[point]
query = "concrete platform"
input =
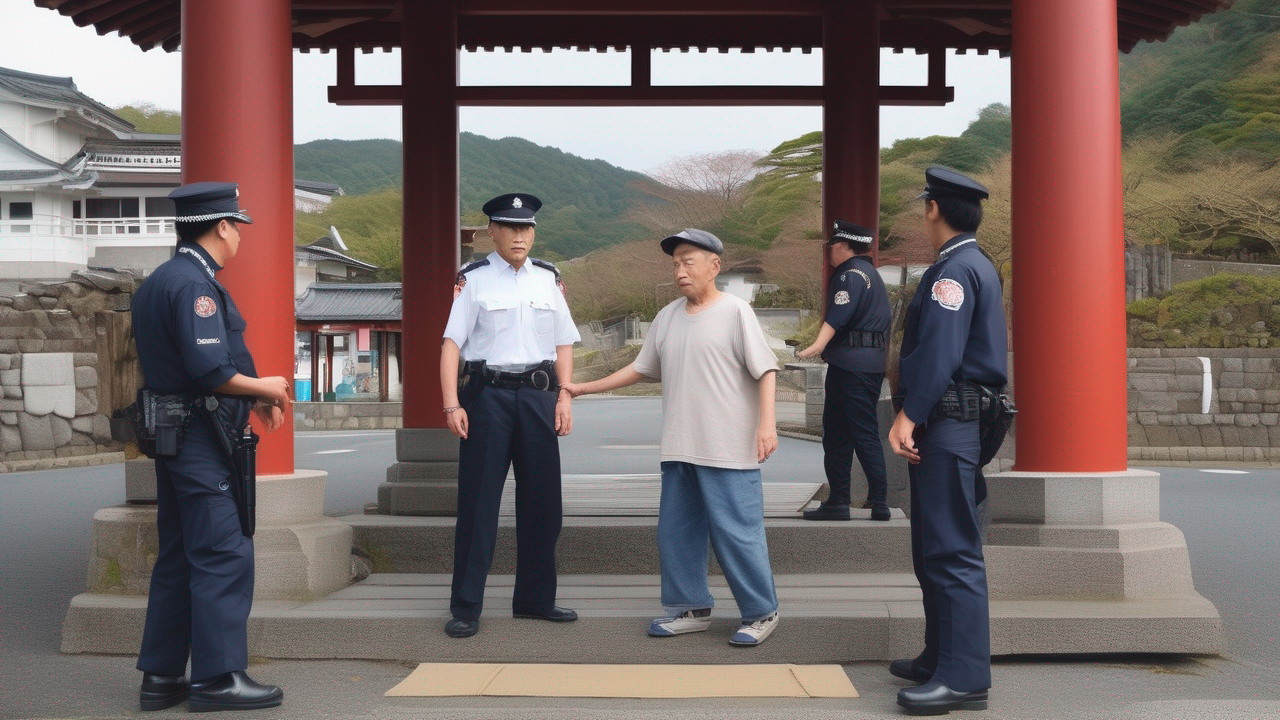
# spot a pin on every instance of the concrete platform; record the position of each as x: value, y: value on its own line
x: 825, y: 619
x: 629, y: 546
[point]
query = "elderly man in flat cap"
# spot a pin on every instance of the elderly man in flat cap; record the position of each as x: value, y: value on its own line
x: 717, y: 374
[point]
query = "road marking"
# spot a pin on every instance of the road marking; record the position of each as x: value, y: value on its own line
x: 333, y: 452
x: 630, y: 447
x: 1226, y: 472
x: 318, y: 434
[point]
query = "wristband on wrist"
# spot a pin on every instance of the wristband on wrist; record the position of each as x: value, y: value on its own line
x: 452, y: 409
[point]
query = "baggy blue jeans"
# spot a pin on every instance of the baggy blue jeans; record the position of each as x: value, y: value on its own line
x: 726, y: 506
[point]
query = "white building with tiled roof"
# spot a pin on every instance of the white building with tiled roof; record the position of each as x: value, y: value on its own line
x: 79, y: 186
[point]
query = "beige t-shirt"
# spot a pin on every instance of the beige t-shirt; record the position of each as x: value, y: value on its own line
x: 710, y: 365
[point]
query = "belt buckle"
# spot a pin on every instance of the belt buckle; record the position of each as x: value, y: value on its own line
x: 540, y: 379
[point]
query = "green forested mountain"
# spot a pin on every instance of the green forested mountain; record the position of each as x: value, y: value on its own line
x: 586, y: 202
x: 1215, y: 84
x: 359, y: 166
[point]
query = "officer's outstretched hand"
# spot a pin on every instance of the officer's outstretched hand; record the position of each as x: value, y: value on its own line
x: 564, y: 414
x: 457, y: 422
x: 902, y: 438
x: 807, y: 353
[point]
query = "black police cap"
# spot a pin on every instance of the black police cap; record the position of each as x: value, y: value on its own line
x: 944, y: 182
x: 513, y: 209
x: 204, y: 201
x: 848, y: 232
x: 694, y: 237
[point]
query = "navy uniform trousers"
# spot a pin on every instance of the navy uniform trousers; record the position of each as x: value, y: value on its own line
x: 849, y: 424
x: 508, y: 427
x: 202, y: 584
x: 946, y: 549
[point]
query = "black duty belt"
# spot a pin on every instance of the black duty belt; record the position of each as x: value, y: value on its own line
x: 862, y: 338
x: 540, y: 377
x: 966, y: 401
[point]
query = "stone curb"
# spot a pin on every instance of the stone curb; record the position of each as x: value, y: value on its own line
x: 13, y: 466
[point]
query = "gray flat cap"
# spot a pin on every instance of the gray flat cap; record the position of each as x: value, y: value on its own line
x: 695, y: 237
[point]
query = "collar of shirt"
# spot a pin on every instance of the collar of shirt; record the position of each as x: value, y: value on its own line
x: 500, y: 264
x: 955, y: 242
x: 200, y: 255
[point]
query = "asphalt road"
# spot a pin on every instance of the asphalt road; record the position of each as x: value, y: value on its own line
x: 610, y: 435
x: 1229, y: 521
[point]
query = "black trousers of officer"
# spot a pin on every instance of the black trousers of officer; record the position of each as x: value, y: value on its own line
x: 508, y: 427
x: 849, y: 424
x: 202, y: 584
x: 946, y: 549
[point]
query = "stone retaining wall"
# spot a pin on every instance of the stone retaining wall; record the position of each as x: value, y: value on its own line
x: 1165, y: 396
x: 347, y: 416
x: 66, y: 362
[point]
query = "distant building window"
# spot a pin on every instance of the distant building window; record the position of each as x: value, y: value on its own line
x: 102, y: 208
x: 160, y: 207
x: 20, y: 211
x: 75, y: 209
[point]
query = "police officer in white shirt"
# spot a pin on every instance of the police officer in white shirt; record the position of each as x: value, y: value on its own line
x: 510, y: 325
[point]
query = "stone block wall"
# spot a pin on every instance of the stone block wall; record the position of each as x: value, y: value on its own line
x: 1165, y: 396
x: 347, y: 415
x: 65, y: 365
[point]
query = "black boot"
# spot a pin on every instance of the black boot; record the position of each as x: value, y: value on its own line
x: 828, y: 512
x: 909, y: 670
x: 880, y: 512
x: 934, y: 698
x: 162, y: 691
x: 233, y: 691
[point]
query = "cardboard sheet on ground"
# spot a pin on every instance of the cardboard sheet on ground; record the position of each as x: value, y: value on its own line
x: 625, y: 681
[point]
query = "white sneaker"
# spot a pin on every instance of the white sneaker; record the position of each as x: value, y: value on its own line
x: 689, y: 621
x: 756, y: 632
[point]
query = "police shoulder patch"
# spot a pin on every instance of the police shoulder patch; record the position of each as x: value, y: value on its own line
x: 842, y: 297
x: 461, y: 281
x: 865, y: 278
x: 205, y: 306
x: 948, y: 293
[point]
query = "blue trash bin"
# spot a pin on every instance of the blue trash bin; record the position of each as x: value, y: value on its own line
x: 302, y: 389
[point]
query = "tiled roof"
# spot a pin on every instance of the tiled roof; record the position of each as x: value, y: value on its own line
x: 60, y: 92
x: 337, y: 302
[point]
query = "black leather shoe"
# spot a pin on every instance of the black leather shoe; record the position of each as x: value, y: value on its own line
x: 934, y: 698
x: 880, y: 512
x: 233, y: 691
x: 162, y: 691
x: 828, y: 512
x: 909, y: 670
x: 555, y: 614
x: 461, y: 627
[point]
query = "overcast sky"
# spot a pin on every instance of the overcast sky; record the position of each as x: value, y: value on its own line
x: 113, y: 71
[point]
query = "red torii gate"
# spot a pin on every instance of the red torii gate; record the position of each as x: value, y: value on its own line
x: 1069, y: 335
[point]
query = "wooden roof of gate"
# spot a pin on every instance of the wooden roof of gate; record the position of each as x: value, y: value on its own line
x: 682, y: 25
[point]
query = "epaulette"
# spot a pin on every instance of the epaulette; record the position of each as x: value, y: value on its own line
x: 554, y: 271
x: 472, y: 266
x: 461, y: 282
x: 546, y: 266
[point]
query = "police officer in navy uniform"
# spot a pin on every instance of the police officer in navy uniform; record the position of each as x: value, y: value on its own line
x: 511, y: 325
x: 954, y: 347
x: 190, y: 340
x: 852, y: 340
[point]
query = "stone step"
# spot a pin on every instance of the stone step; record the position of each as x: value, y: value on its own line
x: 824, y: 619
x: 629, y: 546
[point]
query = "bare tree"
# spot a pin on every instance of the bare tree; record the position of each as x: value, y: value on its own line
x: 697, y: 190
